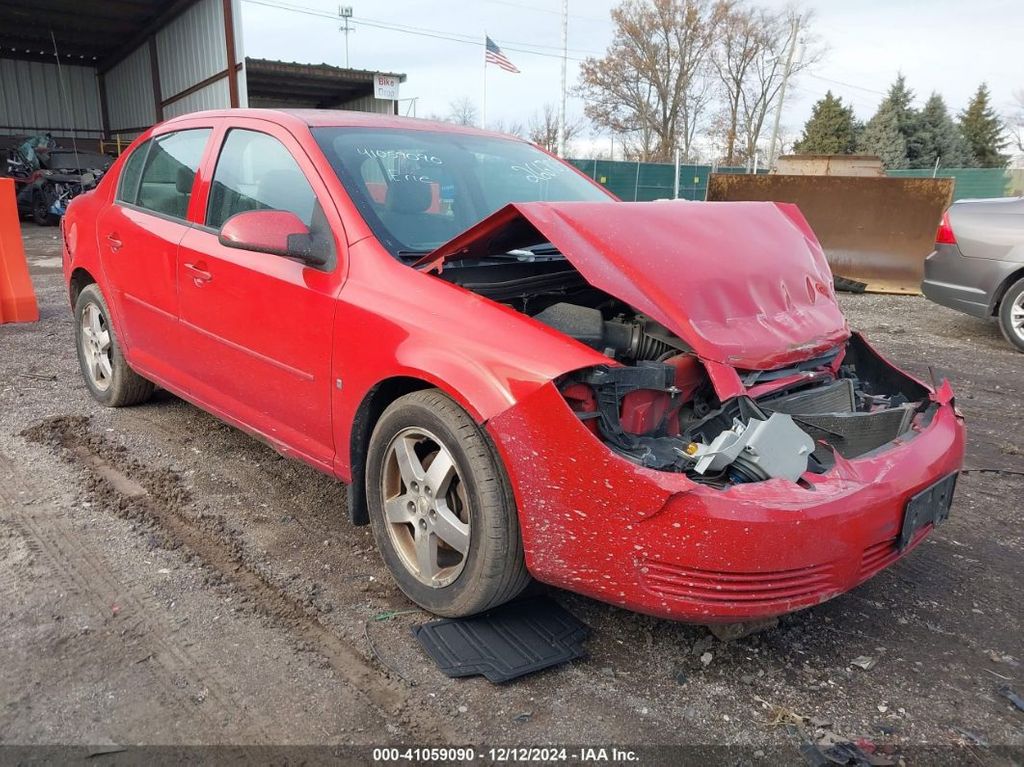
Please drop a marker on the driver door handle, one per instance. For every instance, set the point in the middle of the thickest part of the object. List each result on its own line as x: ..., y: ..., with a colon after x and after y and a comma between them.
x: 199, y: 274
x: 114, y: 242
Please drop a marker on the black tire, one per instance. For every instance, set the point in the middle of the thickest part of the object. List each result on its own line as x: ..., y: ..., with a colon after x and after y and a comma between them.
x: 493, y: 569
x: 122, y: 386
x: 41, y: 209
x: 1013, y: 303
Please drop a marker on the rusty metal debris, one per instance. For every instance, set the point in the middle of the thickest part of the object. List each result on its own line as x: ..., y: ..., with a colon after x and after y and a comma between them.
x: 875, y: 230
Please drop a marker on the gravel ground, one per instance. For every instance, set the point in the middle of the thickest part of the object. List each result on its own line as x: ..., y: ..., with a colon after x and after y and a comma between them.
x: 165, y: 578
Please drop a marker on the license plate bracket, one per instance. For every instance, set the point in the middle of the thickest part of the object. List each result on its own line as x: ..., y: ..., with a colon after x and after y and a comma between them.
x: 930, y: 506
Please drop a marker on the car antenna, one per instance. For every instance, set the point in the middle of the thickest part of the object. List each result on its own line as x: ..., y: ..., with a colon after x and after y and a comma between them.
x: 64, y: 97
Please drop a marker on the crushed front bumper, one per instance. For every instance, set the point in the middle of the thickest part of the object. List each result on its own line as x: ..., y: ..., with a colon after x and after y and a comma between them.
x: 658, y: 543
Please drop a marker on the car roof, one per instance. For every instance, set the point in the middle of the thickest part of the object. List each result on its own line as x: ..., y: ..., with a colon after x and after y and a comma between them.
x: 324, y: 118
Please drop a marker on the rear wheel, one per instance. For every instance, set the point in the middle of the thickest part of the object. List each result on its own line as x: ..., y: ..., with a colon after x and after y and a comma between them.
x: 1011, y: 315
x: 107, y: 376
x: 441, y: 508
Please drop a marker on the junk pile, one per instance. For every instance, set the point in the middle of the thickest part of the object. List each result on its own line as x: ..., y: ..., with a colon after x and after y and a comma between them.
x: 47, y: 177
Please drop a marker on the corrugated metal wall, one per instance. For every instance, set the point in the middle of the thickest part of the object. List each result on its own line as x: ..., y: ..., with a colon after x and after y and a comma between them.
x: 370, y: 104
x: 32, y: 99
x: 213, y: 96
x: 129, y: 87
x: 191, y: 48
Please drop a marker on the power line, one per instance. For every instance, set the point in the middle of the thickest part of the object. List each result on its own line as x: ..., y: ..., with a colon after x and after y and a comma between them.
x: 424, y: 32
x: 466, y: 39
x: 511, y: 45
x: 580, y: 16
x: 847, y: 85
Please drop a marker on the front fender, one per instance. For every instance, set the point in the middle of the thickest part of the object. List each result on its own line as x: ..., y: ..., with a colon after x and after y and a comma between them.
x: 394, y: 322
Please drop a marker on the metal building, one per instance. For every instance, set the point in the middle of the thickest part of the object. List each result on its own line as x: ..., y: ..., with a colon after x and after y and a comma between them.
x: 96, y: 70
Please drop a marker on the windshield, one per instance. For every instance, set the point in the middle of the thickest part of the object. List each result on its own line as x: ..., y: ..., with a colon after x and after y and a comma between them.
x: 418, y: 189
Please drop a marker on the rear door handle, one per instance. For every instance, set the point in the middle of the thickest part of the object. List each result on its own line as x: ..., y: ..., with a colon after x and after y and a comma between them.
x: 199, y: 275
x: 114, y: 242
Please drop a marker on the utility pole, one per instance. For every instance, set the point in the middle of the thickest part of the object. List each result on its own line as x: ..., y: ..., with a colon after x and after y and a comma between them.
x: 345, y: 11
x: 794, y: 31
x: 565, y: 56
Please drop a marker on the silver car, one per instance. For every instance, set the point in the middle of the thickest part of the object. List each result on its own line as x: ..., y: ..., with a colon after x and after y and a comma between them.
x: 978, y: 263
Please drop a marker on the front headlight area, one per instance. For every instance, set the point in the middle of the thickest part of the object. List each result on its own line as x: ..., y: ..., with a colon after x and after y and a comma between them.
x: 791, y: 424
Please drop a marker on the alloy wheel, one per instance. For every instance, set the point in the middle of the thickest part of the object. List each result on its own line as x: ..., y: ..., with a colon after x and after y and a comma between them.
x: 1017, y: 316
x: 425, y: 507
x: 94, y: 340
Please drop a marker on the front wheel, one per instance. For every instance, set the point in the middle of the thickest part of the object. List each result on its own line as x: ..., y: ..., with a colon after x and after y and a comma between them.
x: 441, y: 508
x: 41, y: 208
x: 1011, y: 315
x: 109, y: 379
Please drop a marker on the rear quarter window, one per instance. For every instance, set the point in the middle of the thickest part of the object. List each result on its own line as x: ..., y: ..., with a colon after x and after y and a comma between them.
x: 131, y: 172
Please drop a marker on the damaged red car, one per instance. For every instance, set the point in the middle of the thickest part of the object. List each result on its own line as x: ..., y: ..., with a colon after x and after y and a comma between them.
x: 659, y: 405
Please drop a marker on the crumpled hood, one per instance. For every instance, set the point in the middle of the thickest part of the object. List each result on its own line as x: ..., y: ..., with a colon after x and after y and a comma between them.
x: 743, y: 283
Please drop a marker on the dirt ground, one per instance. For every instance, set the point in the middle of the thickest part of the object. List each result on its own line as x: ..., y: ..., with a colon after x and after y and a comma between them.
x: 167, y: 579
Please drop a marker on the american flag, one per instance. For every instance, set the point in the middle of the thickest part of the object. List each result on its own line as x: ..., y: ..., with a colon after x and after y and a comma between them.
x: 495, y: 56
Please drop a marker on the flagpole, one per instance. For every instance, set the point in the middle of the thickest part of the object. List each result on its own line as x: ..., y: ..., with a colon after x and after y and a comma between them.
x: 483, y: 103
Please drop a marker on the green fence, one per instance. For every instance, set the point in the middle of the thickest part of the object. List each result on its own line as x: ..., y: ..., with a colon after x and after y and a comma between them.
x: 645, y: 181
x: 971, y: 183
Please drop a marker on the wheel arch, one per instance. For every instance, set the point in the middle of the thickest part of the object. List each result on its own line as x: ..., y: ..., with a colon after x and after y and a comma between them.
x: 80, y: 277
x: 1009, y: 281
x: 373, y: 404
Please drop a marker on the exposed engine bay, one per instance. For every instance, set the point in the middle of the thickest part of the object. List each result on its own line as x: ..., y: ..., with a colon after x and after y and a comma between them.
x: 654, y: 403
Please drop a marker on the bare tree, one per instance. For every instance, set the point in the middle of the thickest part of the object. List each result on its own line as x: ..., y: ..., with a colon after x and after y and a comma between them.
x: 462, y: 112
x: 543, y: 128
x: 649, y: 84
x: 510, y: 128
x: 739, y: 42
x: 1015, y: 120
x: 760, y: 88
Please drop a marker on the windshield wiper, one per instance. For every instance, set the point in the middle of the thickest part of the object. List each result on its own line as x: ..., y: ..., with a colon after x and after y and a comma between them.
x: 543, y: 249
x: 546, y: 250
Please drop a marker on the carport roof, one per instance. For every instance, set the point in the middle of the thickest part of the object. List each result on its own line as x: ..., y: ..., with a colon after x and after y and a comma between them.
x: 285, y: 83
x: 96, y: 34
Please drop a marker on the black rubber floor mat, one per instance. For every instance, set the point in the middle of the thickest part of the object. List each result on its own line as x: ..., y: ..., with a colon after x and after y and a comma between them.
x: 507, y: 642
x: 847, y: 285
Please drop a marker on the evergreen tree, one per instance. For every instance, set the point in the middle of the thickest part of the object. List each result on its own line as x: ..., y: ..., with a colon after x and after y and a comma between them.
x: 882, y: 136
x: 941, y: 139
x: 830, y: 130
x: 900, y: 99
x: 983, y: 131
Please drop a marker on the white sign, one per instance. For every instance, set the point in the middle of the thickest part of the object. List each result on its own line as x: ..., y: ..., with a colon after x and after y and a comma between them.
x: 385, y: 87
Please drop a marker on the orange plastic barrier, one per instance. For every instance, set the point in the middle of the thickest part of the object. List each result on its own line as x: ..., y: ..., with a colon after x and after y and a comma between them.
x: 17, y: 299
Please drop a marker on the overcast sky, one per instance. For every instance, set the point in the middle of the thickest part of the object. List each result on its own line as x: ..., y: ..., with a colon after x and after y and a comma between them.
x: 945, y: 45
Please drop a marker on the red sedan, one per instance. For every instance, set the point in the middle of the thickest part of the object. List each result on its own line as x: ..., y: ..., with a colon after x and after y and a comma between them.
x: 659, y: 405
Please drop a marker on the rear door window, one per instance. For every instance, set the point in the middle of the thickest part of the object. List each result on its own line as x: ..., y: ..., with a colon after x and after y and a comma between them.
x: 165, y: 186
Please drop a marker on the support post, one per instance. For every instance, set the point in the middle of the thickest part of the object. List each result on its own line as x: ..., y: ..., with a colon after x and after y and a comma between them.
x: 565, y: 55
x: 154, y: 70
x: 794, y: 32
x: 675, y: 183
x: 229, y: 46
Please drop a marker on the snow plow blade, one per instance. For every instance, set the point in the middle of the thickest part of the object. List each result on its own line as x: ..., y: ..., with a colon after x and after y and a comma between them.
x: 874, y: 230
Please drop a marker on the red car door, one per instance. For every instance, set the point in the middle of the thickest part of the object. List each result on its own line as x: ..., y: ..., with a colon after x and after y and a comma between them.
x: 259, y: 327
x: 138, y: 236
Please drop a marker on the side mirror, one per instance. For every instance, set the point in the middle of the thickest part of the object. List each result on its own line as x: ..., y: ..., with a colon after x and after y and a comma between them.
x: 278, y: 232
